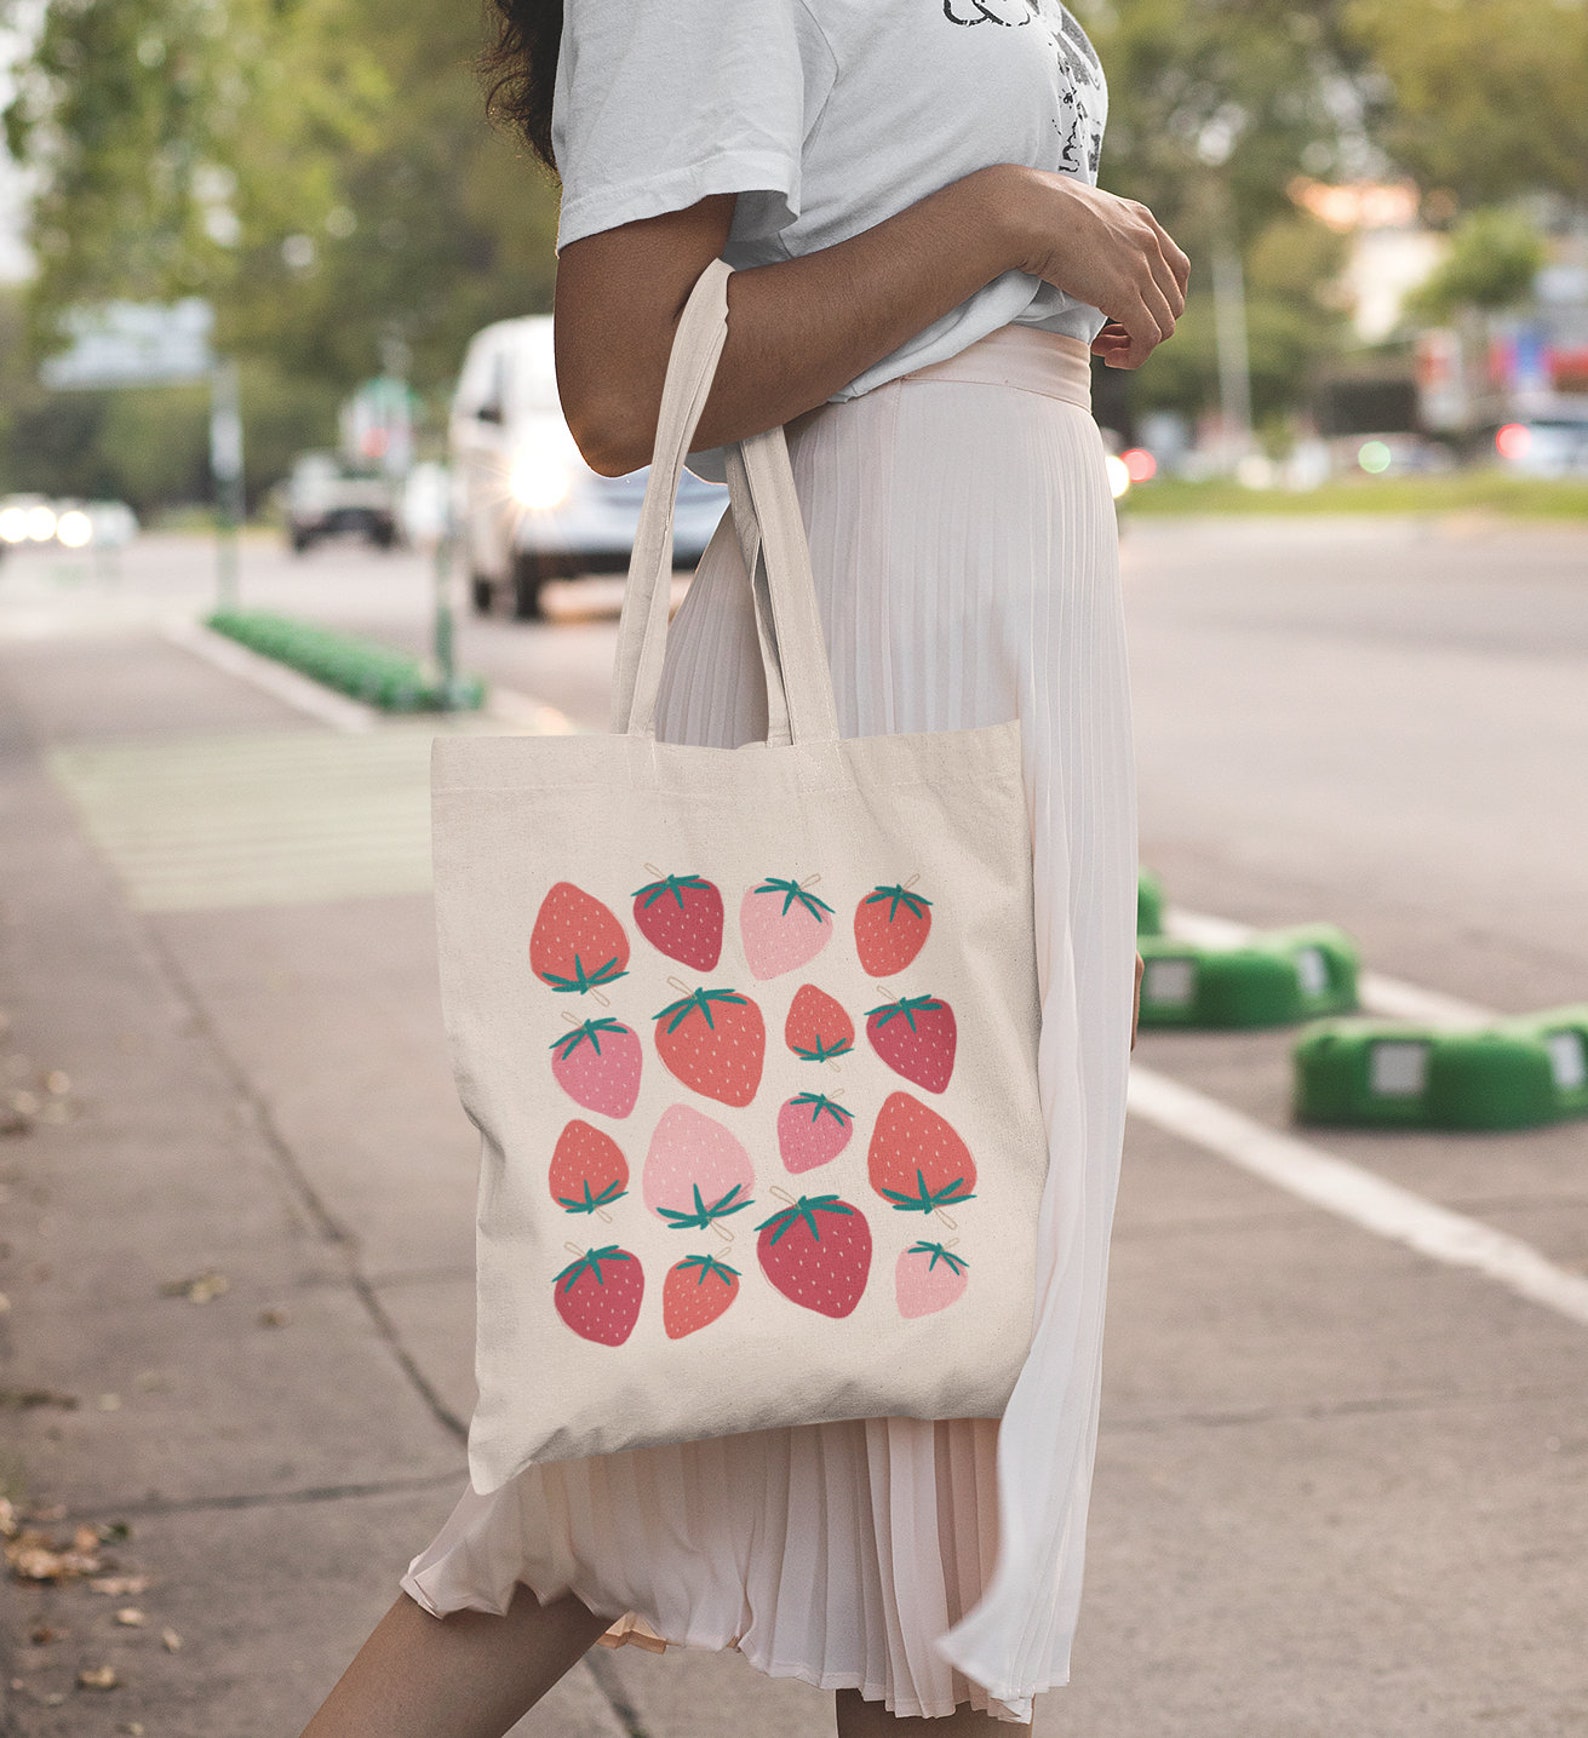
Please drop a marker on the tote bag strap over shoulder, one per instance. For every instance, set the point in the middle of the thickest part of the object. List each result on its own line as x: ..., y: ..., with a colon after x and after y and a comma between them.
x: 771, y: 534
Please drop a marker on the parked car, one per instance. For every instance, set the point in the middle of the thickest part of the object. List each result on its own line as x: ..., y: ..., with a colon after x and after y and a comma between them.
x: 529, y: 508
x: 1552, y: 443
x: 326, y: 496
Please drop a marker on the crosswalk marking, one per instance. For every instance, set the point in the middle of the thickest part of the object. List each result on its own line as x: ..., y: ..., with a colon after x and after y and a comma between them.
x: 206, y: 822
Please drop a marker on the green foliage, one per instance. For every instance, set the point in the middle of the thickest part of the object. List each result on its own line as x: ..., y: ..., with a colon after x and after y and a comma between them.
x: 1493, y: 260
x: 319, y: 168
x: 1485, y: 98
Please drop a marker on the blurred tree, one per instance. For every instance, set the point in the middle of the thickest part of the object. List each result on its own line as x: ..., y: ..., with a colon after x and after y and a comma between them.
x: 1485, y: 98
x: 1493, y: 260
x: 319, y: 168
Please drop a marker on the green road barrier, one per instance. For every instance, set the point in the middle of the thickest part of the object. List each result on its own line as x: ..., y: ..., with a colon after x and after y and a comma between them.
x: 1278, y: 978
x: 1514, y: 1074
x: 1149, y: 904
x: 375, y: 674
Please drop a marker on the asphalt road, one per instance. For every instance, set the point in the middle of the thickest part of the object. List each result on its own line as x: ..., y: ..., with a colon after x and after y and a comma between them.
x: 1341, y: 1486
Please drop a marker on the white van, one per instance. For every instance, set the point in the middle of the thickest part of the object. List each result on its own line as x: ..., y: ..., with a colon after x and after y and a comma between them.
x: 529, y: 508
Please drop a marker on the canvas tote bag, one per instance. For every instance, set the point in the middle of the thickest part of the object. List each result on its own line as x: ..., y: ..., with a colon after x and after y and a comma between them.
x: 749, y: 1034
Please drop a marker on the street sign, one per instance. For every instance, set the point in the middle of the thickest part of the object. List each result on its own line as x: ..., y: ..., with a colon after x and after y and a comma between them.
x: 133, y: 344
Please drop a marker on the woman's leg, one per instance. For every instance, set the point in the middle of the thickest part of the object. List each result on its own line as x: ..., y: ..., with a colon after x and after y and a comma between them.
x: 469, y: 1675
x: 858, y: 1718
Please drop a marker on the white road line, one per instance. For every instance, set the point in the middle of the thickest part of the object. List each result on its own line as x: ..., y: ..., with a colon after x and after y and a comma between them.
x: 1359, y: 1195
x: 310, y: 697
x: 1336, y: 1185
x: 1391, y: 997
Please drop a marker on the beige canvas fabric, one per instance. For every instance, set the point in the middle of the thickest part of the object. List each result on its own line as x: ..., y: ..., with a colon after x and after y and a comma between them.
x: 749, y: 1035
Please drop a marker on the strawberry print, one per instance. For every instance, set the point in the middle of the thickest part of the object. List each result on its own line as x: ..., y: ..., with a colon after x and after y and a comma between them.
x: 599, y: 1295
x: 696, y: 1171
x: 916, y: 1037
x: 696, y: 1291
x: 577, y: 944
x: 812, y: 1131
x: 681, y: 916
x: 817, y: 1252
x: 917, y: 1161
x: 588, y: 1169
x: 929, y: 1278
x: 783, y: 926
x: 891, y: 927
x: 715, y: 1042
x: 817, y: 1028
x: 598, y: 1065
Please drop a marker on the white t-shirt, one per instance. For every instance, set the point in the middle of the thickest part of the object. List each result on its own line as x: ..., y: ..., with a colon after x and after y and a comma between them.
x: 825, y: 117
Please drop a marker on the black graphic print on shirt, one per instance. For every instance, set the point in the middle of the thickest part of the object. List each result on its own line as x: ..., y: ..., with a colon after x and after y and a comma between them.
x: 1083, y: 100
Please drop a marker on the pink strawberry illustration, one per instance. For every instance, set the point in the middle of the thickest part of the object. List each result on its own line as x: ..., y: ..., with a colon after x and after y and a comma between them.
x: 577, y: 944
x: 916, y: 1037
x: 817, y: 1028
x: 917, y: 1160
x: 929, y: 1278
x: 598, y: 1065
x: 681, y: 915
x: 696, y: 1291
x: 588, y: 1170
x: 714, y: 1041
x: 817, y: 1252
x: 891, y: 927
x: 599, y: 1295
x: 783, y: 925
x: 696, y: 1171
x: 812, y: 1131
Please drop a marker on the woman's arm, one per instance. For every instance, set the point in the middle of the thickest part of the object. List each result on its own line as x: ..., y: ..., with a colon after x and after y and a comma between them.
x: 801, y: 329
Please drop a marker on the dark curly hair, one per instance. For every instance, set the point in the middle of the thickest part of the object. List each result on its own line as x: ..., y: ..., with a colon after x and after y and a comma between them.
x: 520, y: 69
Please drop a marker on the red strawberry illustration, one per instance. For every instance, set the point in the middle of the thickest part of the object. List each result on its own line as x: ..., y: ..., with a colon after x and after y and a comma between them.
x: 817, y: 1252
x: 915, y: 1036
x: 599, y: 1295
x: 714, y: 1041
x: 696, y: 1171
x: 576, y: 943
x: 817, y: 1028
x: 696, y: 1291
x: 783, y: 925
x: 929, y: 1278
x: 812, y: 1130
x: 682, y: 916
x: 917, y: 1161
x: 598, y: 1065
x: 588, y: 1169
x: 891, y: 927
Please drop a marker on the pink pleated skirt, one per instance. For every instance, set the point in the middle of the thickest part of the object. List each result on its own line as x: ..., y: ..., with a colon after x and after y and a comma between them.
x: 965, y: 551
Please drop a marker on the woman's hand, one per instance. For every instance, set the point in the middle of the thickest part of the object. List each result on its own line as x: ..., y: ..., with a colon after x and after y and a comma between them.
x: 1104, y: 250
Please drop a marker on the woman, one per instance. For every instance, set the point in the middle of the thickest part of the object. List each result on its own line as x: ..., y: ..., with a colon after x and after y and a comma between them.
x: 907, y: 190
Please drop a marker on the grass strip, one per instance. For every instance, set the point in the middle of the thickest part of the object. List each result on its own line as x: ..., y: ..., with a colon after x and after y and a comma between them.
x: 377, y: 675
x: 1461, y: 492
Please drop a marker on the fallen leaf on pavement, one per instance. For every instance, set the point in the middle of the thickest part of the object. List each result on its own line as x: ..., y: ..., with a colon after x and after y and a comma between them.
x: 119, y: 1586
x: 131, y: 1617
x: 201, y: 1288
x: 171, y: 1639
x: 98, y: 1678
x: 34, y: 1556
x: 42, y: 1635
x: 273, y: 1318
x: 8, y: 1519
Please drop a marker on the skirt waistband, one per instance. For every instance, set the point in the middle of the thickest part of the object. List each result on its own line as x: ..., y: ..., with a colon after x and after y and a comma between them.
x: 1025, y: 358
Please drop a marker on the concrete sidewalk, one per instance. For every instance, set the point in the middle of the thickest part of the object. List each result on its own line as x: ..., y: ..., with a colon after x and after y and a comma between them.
x: 1339, y: 1489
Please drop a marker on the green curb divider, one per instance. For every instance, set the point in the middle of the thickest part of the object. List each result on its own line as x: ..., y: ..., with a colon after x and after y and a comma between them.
x: 1149, y: 904
x: 1277, y: 978
x: 1514, y: 1074
x: 374, y: 674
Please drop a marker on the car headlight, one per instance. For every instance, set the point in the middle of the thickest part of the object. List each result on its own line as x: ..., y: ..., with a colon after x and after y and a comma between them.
x: 13, y: 524
x: 540, y: 480
x: 41, y: 523
x: 74, y: 529
x: 1118, y: 476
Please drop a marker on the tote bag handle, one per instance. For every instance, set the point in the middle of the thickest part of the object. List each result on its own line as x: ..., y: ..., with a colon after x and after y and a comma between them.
x: 771, y: 532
